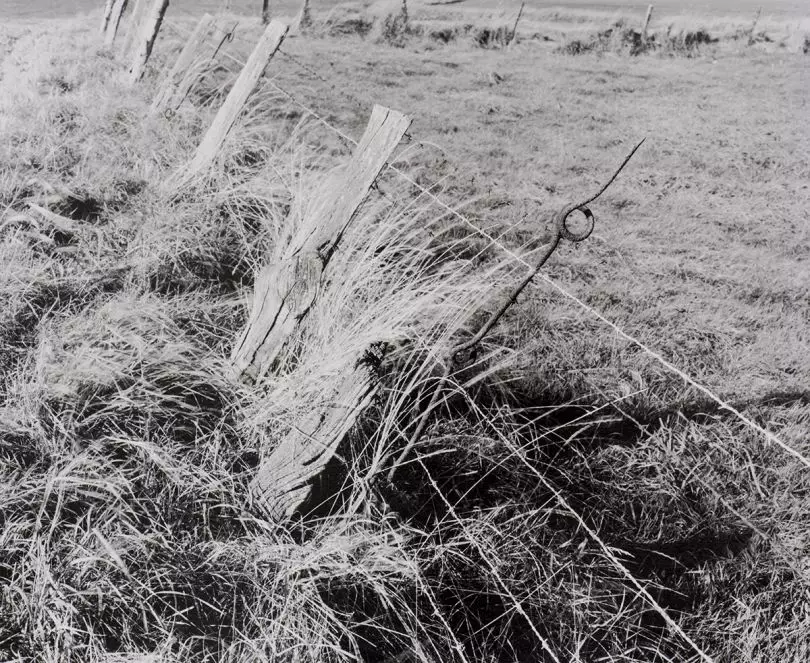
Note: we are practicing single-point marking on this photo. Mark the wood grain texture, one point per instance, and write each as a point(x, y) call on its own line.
point(285, 291)
point(231, 108)
point(147, 34)
point(283, 481)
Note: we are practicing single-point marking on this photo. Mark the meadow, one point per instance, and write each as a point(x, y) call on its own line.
point(571, 498)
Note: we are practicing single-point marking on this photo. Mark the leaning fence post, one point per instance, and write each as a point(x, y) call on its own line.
point(145, 40)
point(646, 22)
point(284, 479)
point(232, 106)
point(134, 26)
point(105, 17)
point(284, 292)
point(113, 21)
point(177, 84)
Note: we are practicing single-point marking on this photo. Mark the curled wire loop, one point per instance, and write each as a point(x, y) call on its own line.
point(572, 235)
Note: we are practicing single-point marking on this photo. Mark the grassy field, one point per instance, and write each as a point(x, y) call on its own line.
point(564, 470)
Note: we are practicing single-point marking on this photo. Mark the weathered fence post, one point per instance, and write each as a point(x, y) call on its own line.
point(145, 40)
point(232, 106)
point(105, 17)
point(113, 21)
point(754, 26)
point(283, 480)
point(285, 292)
point(134, 26)
point(646, 23)
point(265, 12)
point(185, 71)
point(304, 18)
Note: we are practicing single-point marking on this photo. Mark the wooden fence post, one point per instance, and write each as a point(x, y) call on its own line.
point(145, 40)
point(265, 12)
point(646, 22)
point(232, 106)
point(178, 83)
point(283, 480)
point(105, 17)
point(134, 26)
point(113, 21)
point(515, 27)
point(285, 292)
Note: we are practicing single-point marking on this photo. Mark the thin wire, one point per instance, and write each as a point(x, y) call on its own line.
point(631, 339)
point(614, 560)
point(641, 345)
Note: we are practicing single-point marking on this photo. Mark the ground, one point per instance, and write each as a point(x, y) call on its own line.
point(569, 470)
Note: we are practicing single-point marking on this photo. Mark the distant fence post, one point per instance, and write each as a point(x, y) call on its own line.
point(232, 106)
point(105, 17)
point(285, 292)
point(134, 26)
point(265, 12)
point(304, 18)
point(145, 40)
point(754, 26)
point(517, 20)
point(177, 84)
point(647, 22)
point(113, 21)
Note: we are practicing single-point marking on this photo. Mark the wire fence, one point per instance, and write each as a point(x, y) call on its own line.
point(494, 241)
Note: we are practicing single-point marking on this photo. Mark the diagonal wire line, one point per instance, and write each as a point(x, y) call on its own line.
point(558, 496)
point(771, 437)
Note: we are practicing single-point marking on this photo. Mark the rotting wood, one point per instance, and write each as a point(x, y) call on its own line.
point(283, 481)
point(147, 34)
point(113, 21)
point(134, 26)
point(285, 291)
point(105, 17)
point(647, 22)
point(198, 51)
point(232, 106)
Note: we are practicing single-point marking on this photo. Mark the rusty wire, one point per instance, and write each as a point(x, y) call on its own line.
point(561, 232)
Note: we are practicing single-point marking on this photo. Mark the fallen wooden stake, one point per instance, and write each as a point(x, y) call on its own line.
point(113, 21)
point(285, 291)
point(284, 480)
point(146, 38)
point(248, 78)
point(199, 50)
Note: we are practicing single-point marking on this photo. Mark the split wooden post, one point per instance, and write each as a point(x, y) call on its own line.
point(145, 40)
point(185, 72)
point(284, 479)
point(285, 292)
point(646, 22)
point(248, 78)
point(105, 17)
point(113, 21)
point(134, 26)
point(265, 12)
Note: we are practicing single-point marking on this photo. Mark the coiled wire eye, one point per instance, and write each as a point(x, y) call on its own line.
point(573, 235)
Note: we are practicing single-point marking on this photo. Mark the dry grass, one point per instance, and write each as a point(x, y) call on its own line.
point(127, 445)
